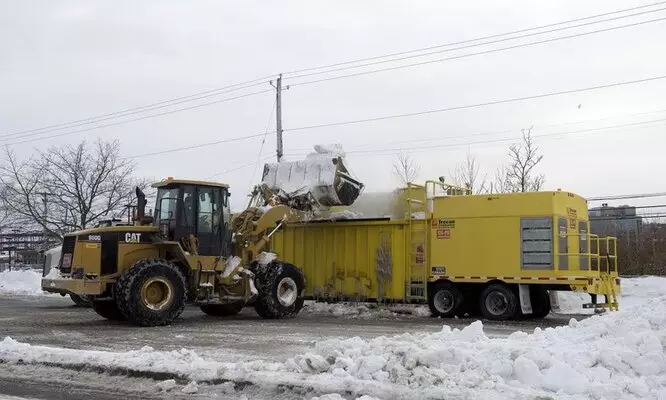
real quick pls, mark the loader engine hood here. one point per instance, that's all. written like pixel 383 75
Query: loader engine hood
pixel 321 178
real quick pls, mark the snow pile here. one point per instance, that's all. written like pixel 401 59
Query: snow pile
pixel 21 282
pixel 335 396
pixel 321 179
pixel 635 291
pixel 183 362
pixel 344 214
pixel 54 273
pixel 618 355
pixel 301 176
pixel 364 311
pixel 613 356
pixel 266 257
pixel 191 388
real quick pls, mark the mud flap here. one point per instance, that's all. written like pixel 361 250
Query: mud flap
pixel 554 301
pixel 525 301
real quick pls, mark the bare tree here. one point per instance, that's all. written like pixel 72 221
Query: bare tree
pixel 406 169
pixel 68 188
pixel 501 182
pixel 520 175
pixel 466 175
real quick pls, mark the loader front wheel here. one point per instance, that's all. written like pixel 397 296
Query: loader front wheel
pixel 280 288
pixel 499 303
pixel 222 310
pixel 108 309
pixel 151 293
pixel 444 300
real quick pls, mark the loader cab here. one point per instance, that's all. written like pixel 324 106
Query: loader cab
pixel 195 208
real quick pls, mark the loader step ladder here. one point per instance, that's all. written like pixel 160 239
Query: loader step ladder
pixel 417 237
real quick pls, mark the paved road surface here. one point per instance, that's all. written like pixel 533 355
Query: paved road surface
pixel 54 321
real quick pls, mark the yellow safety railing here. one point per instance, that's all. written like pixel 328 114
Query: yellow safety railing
pixel 602 259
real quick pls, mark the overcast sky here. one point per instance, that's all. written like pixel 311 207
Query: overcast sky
pixel 66 60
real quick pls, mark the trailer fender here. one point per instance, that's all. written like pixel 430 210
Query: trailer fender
pixel 525 301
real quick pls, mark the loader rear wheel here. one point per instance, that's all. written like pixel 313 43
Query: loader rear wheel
pixel 108 309
pixel 222 310
pixel 444 300
pixel 151 293
pixel 540 302
pixel 280 288
pixel 499 303
pixel 81 301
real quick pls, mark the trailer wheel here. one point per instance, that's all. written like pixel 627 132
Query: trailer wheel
pixel 444 300
pixel 151 293
pixel 81 301
pixel 498 302
pixel 281 288
pixel 540 302
pixel 222 310
pixel 108 309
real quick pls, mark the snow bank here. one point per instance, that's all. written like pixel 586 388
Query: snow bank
pixel 635 291
pixel 21 282
pixel 614 356
pixel 618 355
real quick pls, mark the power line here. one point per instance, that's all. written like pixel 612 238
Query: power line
pixel 471 40
pixel 241 167
pixel 392 151
pixel 515 138
pixel 140 118
pixel 205 94
pixel 474 54
pixel 439 138
pixel 119 115
pixel 627 207
pixel 628 196
pixel 420 113
pixel 343 68
pixel 197 146
pixel 489 103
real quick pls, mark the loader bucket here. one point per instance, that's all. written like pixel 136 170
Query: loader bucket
pixel 321 180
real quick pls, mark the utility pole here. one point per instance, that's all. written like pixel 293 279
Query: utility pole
pixel 45 202
pixel 278 115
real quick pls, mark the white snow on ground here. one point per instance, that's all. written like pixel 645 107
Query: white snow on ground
pixel 364 311
pixel 634 291
pixel 618 355
pixel 21 282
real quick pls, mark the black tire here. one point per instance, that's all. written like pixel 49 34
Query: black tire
pixel 445 300
pixel 281 290
pixel 151 293
pixel 108 309
pixel 221 310
pixel 540 302
pixel 81 301
pixel 499 303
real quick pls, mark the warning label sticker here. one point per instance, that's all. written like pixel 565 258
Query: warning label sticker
pixel 443 223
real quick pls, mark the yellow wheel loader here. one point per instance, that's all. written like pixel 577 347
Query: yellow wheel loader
pixel 190 250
